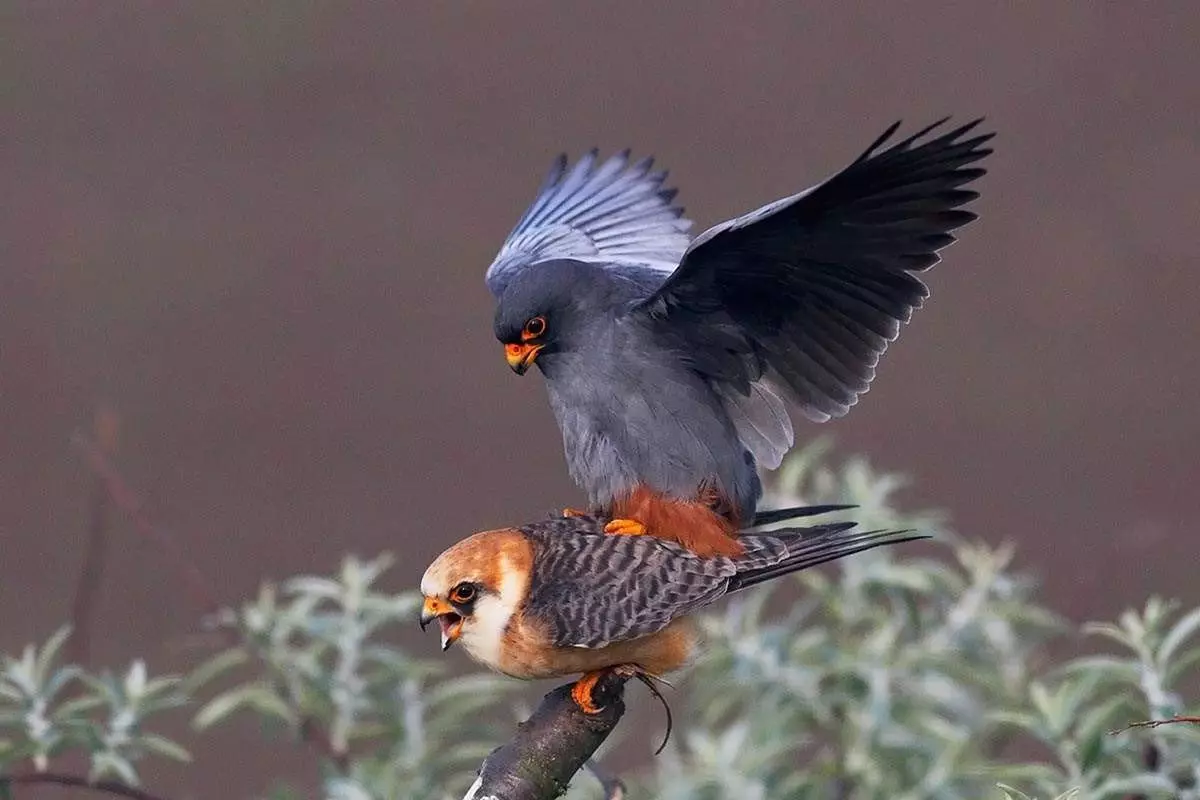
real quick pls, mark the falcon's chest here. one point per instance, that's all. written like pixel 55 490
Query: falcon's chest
pixel 633 414
pixel 589 416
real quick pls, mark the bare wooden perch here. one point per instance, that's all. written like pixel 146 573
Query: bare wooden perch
pixel 551 746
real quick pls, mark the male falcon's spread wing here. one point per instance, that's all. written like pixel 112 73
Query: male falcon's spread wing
pixel 807 292
pixel 615 214
pixel 591 589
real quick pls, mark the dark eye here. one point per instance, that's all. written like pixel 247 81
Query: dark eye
pixel 534 328
pixel 463 593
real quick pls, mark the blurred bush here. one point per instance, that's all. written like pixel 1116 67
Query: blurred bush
pixel 890 675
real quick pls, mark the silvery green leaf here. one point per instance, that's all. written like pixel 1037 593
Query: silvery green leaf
pixel 45 659
pixel 108 764
pixel 1146 784
pixel 252 697
pixel 324 588
pixel 1179 633
pixel 164 747
pixel 214 668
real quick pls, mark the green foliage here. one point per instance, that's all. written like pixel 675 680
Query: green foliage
pixel 897 675
pixel 47 709
pixel 312 655
pixel 912 673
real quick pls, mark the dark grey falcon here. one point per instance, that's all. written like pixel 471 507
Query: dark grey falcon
pixel 670 362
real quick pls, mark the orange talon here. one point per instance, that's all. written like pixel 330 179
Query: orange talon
pixel 691 523
pixel 625 527
pixel 581 692
pixel 573 512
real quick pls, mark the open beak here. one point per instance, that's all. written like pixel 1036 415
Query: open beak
pixel 449 620
pixel 521 356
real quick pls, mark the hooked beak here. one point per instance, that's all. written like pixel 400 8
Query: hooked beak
pixel 521 356
pixel 449 620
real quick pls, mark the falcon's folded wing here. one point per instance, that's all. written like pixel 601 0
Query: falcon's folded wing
pixel 591 589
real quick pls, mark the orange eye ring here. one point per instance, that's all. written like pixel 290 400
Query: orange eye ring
pixel 534 328
pixel 463 593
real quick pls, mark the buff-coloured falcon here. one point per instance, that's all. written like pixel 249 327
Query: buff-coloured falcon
pixel 671 362
pixel 561 597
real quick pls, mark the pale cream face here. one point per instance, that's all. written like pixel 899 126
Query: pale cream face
pixel 494 564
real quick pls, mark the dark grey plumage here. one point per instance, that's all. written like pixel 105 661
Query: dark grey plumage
pixel 674 378
pixel 592 589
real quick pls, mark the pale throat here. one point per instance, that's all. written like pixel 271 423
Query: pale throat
pixel 483 637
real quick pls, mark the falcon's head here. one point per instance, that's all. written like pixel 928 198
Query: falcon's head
pixel 544 312
pixel 596 229
pixel 560 307
pixel 473 589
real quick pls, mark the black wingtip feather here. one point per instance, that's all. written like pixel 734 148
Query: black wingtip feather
pixel 829 545
pixel 771 516
pixel 875 145
pixel 907 143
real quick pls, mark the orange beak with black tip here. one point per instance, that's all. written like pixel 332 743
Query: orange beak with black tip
pixel 448 619
pixel 521 356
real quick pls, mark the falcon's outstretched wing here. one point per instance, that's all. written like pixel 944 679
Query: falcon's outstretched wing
pixel 614 213
pixel 591 589
pixel 807 292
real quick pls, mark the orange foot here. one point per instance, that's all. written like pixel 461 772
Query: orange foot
pixel 695 524
pixel 581 691
pixel 573 512
pixel 625 527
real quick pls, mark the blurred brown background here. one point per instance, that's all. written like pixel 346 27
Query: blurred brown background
pixel 259 232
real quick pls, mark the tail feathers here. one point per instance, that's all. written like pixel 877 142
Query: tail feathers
pixel 782 514
pixel 812 547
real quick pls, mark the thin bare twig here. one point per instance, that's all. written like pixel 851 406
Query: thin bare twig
pixel 105 429
pixel 1154 723
pixel 312 735
pixel 614 788
pixel 120 493
pixel 126 500
pixel 115 788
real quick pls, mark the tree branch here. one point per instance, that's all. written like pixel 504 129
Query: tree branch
pixel 125 499
pixel 1154 723
pixel 115 788
pixel 105 428
pixel 551 746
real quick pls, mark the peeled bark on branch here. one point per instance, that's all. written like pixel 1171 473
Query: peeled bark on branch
pixel 551 746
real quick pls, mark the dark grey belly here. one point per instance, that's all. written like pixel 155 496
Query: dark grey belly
pixel 608 461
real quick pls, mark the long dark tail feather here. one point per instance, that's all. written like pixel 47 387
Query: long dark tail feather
pixel 830 544
pixel 774 515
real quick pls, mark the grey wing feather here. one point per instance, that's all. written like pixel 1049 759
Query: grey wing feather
pixel 762 422
pixel 594 589
pixel 591 589
pixel 616 213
